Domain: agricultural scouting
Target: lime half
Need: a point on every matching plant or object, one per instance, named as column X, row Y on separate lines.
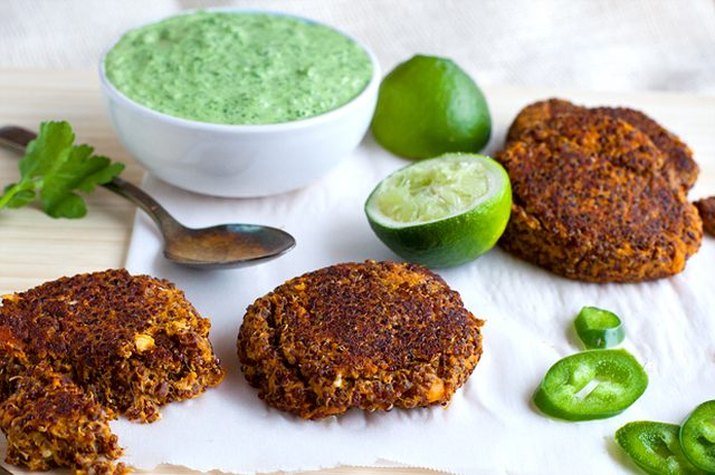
column 442, row 212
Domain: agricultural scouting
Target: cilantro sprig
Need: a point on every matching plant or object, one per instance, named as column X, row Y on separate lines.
column 54, row 169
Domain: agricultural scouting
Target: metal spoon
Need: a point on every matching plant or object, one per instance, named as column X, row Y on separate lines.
column 223, row 246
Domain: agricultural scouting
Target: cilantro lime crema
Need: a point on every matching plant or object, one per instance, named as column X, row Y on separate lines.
column 238, row 67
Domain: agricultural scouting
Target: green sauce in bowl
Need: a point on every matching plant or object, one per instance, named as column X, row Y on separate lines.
column 238, row 67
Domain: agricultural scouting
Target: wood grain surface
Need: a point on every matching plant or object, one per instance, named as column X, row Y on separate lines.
column 35, row 248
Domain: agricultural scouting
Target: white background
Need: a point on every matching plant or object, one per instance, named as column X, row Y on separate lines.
column 614, row 45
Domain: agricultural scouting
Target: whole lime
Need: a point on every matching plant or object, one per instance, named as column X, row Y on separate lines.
column 442, row 212
column 428, row 106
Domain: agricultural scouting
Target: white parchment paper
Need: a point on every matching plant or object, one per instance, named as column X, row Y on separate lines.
column 490, row 426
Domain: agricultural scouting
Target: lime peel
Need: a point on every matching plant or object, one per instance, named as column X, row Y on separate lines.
column 428, row 106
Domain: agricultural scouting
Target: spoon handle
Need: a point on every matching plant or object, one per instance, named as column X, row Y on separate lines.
column 136, row 195
column 17, row 138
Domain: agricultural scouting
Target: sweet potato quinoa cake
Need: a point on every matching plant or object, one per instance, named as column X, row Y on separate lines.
column 599, row 194
column 80, row 350
column 706, row 208
column 369, row 335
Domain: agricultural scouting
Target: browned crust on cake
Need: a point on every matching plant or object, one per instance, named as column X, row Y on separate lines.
column 372, row 335
column 130, row 343
column 706, row 208
column 535, row 114
column 677, row 157
column 51, row 422
column 594, row 198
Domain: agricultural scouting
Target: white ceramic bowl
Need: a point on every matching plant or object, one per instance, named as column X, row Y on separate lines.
column 240, row 160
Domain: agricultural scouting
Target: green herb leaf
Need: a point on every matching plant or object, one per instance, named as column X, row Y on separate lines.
column 19, row 196
column 53, row 168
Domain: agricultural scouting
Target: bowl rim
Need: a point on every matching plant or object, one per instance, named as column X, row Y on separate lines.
column 327, row 116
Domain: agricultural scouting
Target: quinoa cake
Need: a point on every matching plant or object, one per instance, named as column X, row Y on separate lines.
column 50, row 422
column 706, row 208
column 596, row 198
column 677, row 156
column 113, row 342
column 372, row 335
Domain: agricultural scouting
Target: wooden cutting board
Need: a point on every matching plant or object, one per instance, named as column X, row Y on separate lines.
column 35, row 248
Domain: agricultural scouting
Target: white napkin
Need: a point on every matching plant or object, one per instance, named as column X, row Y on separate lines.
column 490, row 425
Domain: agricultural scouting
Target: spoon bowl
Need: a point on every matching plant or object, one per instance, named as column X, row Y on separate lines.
column 221, row 246
column 227, row 245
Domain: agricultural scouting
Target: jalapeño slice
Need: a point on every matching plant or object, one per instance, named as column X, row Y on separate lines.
column 697, row 436
column 654, row 447
column 599, row 328
column 593, row 384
